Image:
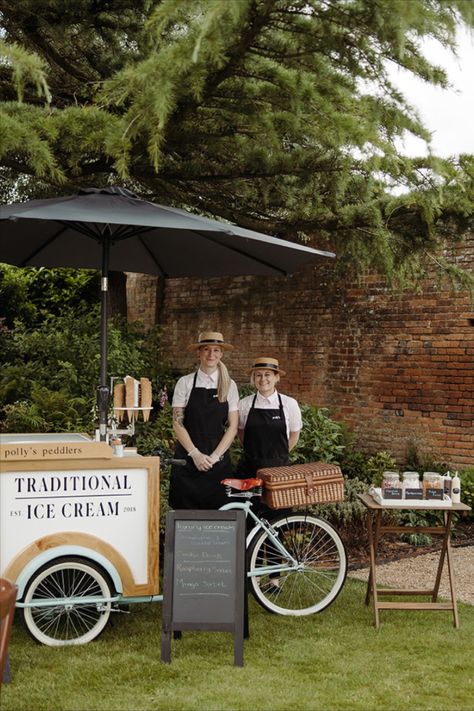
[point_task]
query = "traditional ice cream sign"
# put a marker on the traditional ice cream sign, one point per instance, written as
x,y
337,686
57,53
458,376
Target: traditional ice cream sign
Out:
x,y
109,503
82,486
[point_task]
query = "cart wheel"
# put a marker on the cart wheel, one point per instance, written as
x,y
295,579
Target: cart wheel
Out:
x,y
64,580
315,582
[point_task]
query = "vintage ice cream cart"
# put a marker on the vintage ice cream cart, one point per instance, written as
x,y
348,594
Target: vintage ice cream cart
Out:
x,y
79,532
80,528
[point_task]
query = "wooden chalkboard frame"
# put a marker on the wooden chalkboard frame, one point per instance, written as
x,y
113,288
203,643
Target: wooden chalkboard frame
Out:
x,y
236,621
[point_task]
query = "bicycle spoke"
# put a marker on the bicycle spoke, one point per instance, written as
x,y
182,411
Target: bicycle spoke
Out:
x,y
68,622
316,578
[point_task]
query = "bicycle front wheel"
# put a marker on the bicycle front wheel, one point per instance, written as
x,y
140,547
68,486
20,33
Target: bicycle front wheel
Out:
x,y
309,584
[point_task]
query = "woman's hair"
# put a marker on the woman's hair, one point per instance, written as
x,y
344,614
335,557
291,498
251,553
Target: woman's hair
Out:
x,y
224,382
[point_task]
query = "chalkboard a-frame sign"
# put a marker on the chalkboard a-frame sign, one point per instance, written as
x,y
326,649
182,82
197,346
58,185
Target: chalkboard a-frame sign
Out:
x,y
204,576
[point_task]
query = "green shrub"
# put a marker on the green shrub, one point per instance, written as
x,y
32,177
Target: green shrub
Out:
x,y
420,462
369,469
467,489
349,517
31,294
47,411
345,514
50,372
156,434
354,464
320,438
376,465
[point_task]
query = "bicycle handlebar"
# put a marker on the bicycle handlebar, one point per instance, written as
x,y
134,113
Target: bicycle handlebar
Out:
x,y
169,462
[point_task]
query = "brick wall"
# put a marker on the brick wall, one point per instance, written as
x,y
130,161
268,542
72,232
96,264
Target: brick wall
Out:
x,y
142,290
398,368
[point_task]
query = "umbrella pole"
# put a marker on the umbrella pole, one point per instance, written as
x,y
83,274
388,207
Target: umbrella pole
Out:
x,y
103,391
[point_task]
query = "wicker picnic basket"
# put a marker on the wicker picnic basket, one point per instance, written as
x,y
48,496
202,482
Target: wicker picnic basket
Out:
x,y
302,484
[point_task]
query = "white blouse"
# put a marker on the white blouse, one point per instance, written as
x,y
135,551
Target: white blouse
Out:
x,y
184,386
291,409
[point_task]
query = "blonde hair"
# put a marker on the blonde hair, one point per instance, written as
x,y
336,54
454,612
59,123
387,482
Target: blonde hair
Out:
x,y
224,382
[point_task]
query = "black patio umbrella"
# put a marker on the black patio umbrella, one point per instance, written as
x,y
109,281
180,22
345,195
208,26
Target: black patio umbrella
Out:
x,y
112,229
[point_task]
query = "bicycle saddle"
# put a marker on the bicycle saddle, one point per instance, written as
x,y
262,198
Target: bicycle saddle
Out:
x,y
242,484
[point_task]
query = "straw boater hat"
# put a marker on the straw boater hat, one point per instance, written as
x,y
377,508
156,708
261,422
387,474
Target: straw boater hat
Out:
x,y
266,363
211,338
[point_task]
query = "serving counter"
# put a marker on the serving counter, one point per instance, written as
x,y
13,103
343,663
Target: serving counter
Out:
x,y
375,529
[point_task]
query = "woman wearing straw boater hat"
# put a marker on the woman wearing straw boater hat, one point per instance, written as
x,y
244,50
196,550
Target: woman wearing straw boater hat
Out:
x,y
269,422
205,419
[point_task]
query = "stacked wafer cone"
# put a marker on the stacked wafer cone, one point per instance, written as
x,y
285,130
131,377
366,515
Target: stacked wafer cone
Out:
x,y
145,397
132,397
119,401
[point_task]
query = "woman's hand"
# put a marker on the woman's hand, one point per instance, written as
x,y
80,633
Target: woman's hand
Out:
x,y
202,462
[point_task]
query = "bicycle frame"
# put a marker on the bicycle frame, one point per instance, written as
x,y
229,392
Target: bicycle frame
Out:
x,y
263,524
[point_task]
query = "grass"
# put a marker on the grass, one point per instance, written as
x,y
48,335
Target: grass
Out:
x,y
332,661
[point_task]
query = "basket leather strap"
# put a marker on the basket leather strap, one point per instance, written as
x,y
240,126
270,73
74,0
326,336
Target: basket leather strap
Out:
x,y
309,483
294,484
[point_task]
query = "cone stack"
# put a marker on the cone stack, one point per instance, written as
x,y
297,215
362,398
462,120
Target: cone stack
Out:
x,y
130,400
119,400
145,397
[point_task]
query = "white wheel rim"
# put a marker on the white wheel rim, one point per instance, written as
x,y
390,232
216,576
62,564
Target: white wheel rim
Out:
x,y
64,625
323,571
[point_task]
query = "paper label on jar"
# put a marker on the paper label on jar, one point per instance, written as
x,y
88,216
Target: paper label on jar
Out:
x,y
392,493
413,494
434,493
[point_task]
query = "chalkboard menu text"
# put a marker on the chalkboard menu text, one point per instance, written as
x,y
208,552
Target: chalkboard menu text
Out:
x,y
204,575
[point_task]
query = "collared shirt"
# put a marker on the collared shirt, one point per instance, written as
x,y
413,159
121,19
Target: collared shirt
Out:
x,y
291,409
184,386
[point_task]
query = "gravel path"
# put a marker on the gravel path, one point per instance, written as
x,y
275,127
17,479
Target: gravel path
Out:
x,y
419,572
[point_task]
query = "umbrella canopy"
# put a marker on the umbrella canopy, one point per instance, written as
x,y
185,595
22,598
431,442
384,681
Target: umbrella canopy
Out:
x,y
113,229
146,238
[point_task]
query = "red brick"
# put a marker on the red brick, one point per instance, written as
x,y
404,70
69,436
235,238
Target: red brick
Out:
x,y
356,348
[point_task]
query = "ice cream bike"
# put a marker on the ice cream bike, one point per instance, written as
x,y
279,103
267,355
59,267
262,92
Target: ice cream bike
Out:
x,y
79,519
80,536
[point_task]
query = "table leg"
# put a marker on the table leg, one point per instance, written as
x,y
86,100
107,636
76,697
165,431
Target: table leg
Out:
x,y
442,555
449,561
372,582
370,537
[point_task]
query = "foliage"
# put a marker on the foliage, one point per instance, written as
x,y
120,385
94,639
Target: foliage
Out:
x,y
467,489
348,516
367,468
157,435
50,371
376,465
47,411
320,438
422,461
418,518
279,115
353,464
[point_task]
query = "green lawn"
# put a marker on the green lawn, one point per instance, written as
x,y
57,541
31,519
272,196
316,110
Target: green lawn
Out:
x,y
334,660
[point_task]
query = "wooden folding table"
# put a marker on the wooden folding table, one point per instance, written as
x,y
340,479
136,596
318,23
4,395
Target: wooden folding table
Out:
x,y
374,512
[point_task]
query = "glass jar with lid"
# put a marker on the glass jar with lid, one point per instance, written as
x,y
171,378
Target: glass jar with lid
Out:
x,y
391,485
411,485
432,485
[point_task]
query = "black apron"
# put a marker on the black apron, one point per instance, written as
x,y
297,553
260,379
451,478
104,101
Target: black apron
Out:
x,y
205,419
265,445
265,440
